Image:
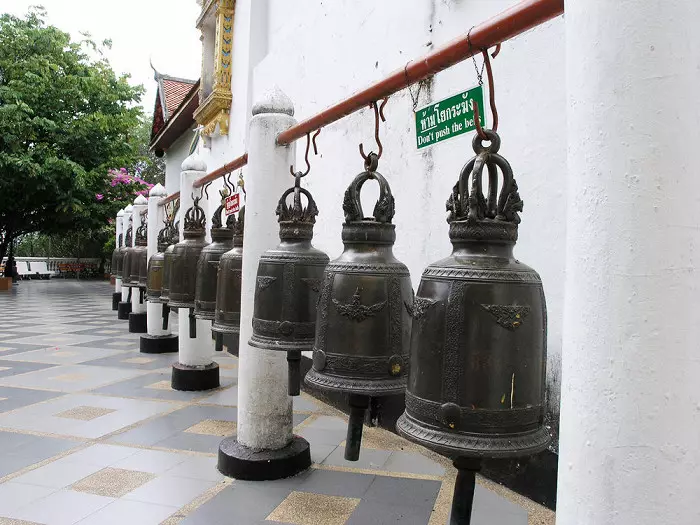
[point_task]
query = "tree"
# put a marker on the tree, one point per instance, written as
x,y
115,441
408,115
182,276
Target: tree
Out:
x,y
65,120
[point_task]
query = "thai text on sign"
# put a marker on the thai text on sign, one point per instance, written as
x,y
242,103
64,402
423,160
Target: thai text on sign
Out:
x,y
233,203
449,118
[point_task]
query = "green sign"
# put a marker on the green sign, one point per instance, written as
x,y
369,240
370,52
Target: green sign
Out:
x,y
449,118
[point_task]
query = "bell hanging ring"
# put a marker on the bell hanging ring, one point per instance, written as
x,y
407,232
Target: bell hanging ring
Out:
x,y
363,330
288,283
478,347
183,270
227,314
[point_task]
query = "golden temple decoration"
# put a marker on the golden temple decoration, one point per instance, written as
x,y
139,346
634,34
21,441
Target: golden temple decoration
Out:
x,y
214,106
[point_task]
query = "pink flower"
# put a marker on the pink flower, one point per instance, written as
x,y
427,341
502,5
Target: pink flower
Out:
x,y
99,196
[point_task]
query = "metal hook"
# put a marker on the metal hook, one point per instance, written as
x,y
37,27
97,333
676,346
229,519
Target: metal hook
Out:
x,y
492,95
378,114
241,182
206,190
300,174
229,184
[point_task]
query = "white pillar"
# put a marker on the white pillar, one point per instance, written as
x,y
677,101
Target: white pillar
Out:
x,y
125,225
140,205
156,216
119,231
197,351
264,408
630,415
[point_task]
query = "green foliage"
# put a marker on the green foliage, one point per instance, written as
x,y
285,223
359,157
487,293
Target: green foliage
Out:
x,y
65,120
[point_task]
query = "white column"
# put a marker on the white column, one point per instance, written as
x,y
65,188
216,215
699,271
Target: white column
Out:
x,y
198,351
630,415
125,225
140,205
264,408
119,231
156,216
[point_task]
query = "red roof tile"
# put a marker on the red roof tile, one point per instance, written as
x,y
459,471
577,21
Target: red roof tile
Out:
x,y
175,91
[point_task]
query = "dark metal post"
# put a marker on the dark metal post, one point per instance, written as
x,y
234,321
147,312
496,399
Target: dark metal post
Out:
x,y
193,324
294,371
353,440
463,497
166,314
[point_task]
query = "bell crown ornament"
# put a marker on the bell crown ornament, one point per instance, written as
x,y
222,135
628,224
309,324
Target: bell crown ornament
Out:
x,y
164,236
195,220
296,221
476,385
142,235
472,215
219,231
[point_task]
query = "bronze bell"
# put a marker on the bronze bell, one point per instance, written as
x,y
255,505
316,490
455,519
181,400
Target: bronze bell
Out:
x,y
117,258
139,260
363,332
167,270
288,283
183,270
154,284
143,261
476,384
128,258
227,316
208,265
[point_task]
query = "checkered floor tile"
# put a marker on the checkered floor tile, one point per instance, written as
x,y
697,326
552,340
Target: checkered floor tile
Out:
x,y
91,433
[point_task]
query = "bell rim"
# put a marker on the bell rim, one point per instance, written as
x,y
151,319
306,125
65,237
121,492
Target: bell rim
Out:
x,y
269,343
180,304
462,444
388,386
224,329
204,315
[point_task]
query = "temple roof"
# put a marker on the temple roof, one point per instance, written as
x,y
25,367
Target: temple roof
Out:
x,y
175,100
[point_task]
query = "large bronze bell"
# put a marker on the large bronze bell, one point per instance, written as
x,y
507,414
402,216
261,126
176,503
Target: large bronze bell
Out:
x,y
288,283
167,270
128,260
208,265
117,258
154,284
478,348
227,316
364,328
183,271
143,260
139,261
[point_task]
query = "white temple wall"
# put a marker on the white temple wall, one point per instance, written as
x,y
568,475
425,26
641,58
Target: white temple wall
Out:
x,y
320,52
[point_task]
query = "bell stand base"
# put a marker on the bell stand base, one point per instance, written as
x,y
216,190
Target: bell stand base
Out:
x,y
123,310
240,462
195,378
138,323
159,344
116,299
463,496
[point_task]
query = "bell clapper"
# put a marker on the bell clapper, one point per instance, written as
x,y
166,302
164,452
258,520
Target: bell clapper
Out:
x,y
294,368
353,440
463,496
166,314
218,342
193,324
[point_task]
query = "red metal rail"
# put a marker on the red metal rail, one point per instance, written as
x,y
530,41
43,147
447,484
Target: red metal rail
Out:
x,y
508,24
504,26
227,168
169,198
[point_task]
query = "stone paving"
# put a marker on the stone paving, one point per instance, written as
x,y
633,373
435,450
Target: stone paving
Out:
x,y
92,433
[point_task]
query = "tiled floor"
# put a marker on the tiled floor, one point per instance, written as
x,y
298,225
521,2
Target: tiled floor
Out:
x,y
92,434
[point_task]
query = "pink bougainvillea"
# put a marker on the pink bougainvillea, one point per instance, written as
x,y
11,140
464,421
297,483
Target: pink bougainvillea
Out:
x,y
99,196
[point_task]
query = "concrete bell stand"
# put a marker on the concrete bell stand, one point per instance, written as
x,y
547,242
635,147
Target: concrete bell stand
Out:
x,y
124,306
265,447
137,317
156,340
195,369
117,294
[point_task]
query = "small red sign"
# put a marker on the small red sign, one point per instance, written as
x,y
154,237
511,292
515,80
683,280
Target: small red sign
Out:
x,y
233,203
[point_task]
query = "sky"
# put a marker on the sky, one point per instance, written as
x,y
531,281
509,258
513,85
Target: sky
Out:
x,y
141,30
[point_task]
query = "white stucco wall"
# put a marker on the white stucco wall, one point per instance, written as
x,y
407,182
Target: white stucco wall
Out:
x,y
277,43
174,156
